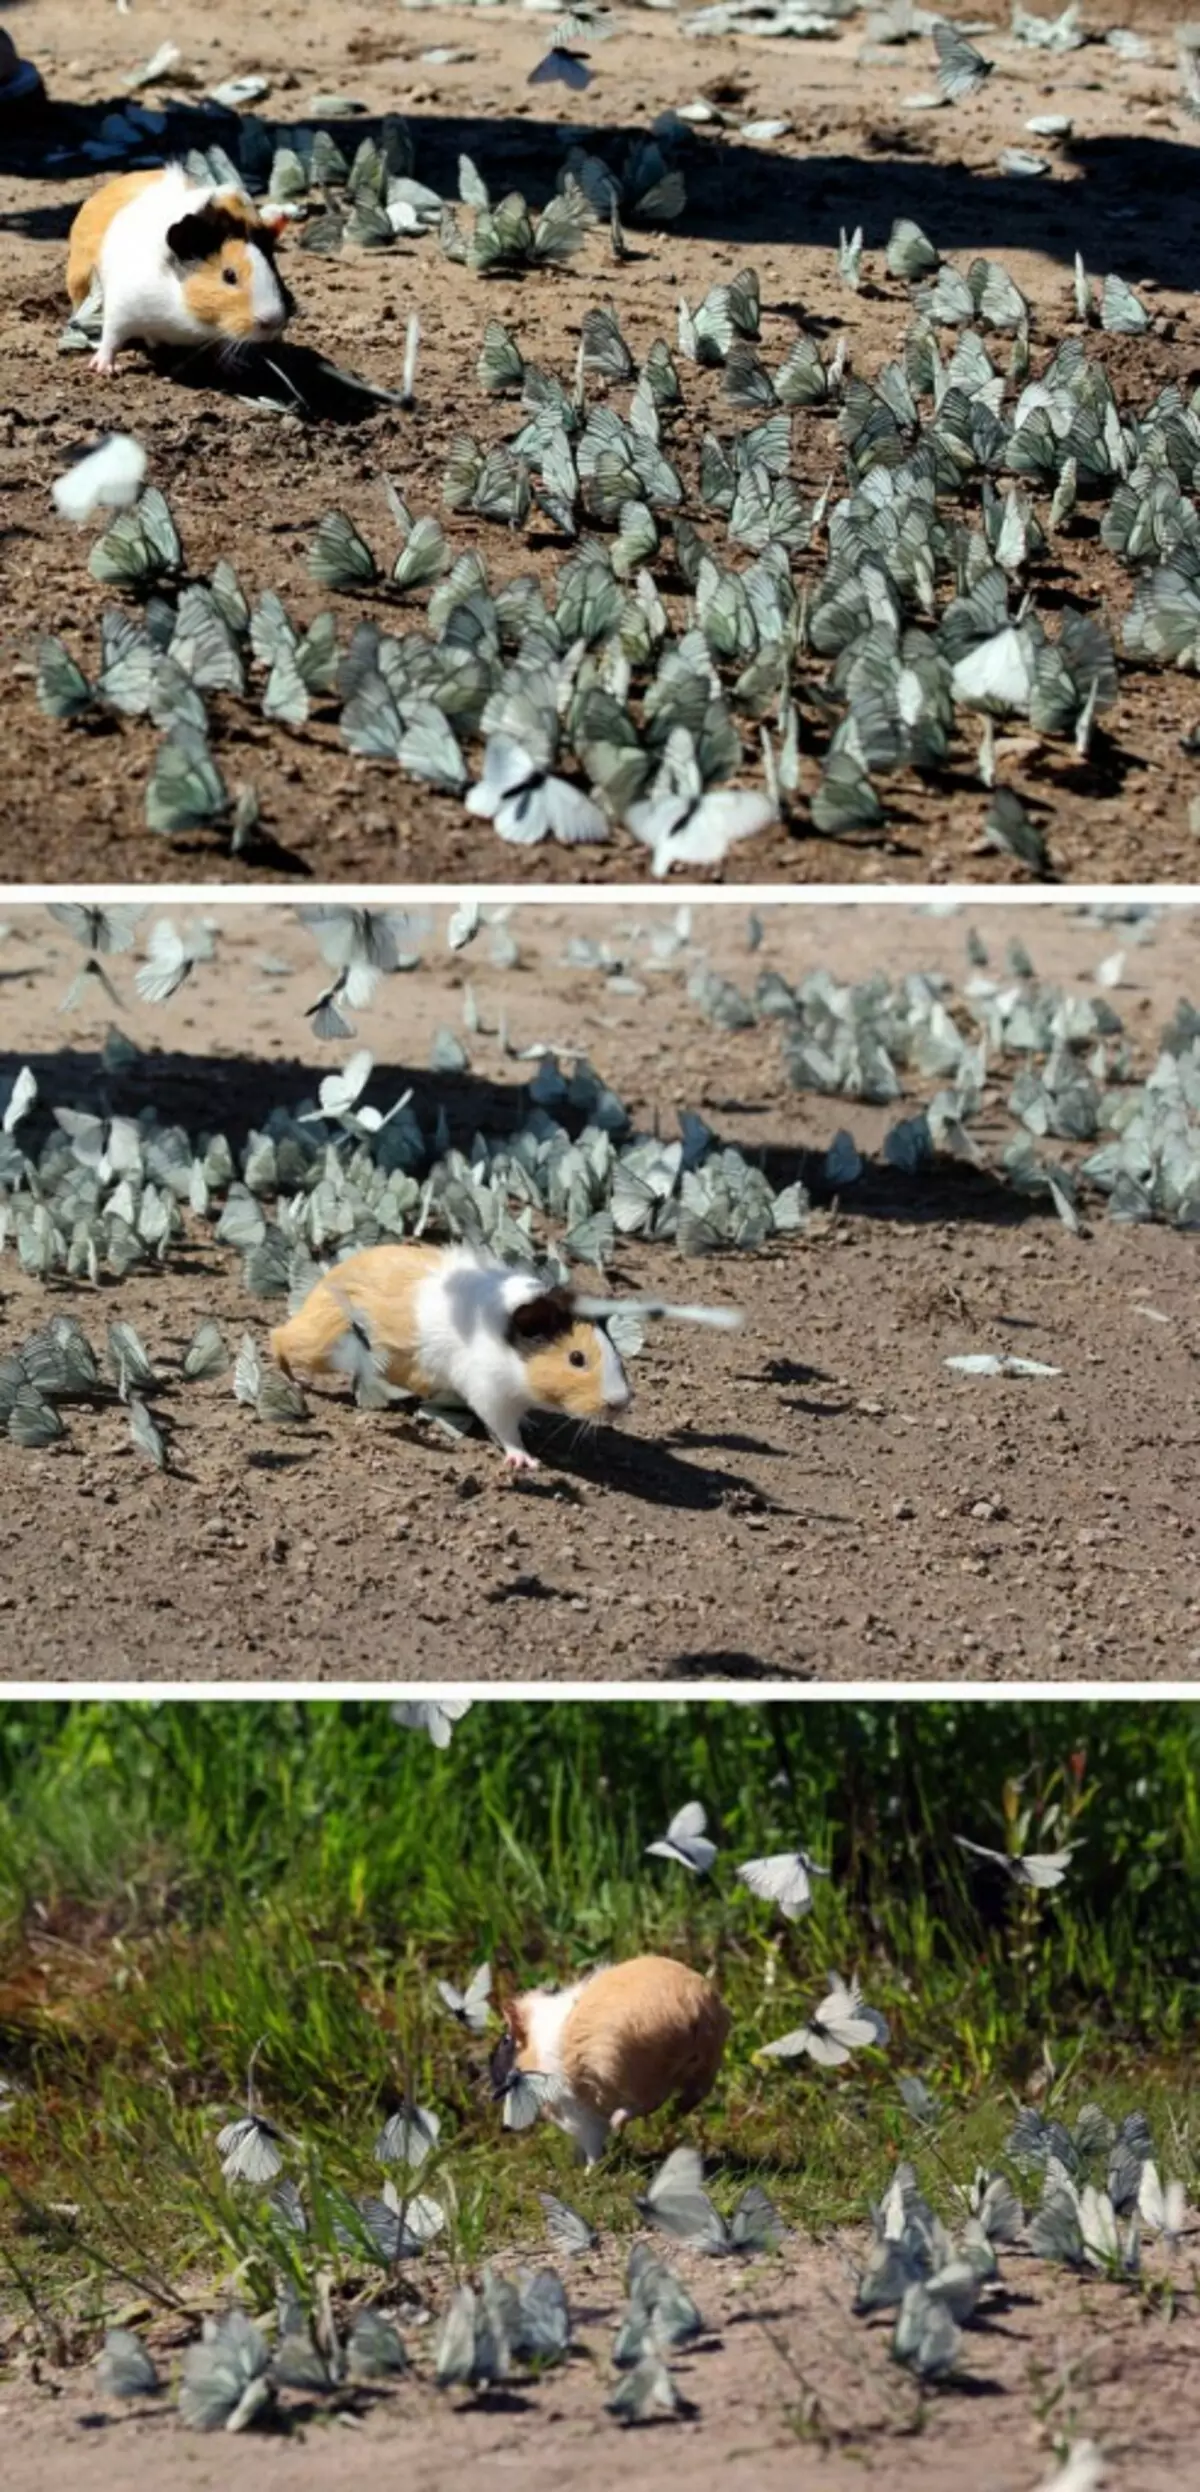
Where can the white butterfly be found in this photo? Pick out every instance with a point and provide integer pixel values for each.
(1039, 1869)
(1162, 2210)
(470, 2007)
(421, 2219)
(109, 478)
(840, 2025)
(525, 802)
(676, 2200)
(998, 675)
(700, 829)
(20, 1098)
(408, 2137)
(249, 2150)
(435, 1715)
(685, 1840)
(170, 958)
(783, 1878)
(567, 2231)
(527, 2093)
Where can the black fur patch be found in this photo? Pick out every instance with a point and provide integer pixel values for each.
(501, 2065)
(542, 1320)
(197, 237)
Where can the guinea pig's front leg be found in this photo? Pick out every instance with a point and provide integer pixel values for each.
(502, 1414)
(104, 360)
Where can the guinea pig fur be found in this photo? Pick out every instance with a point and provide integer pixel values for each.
(178, 264)
(454, 1323)
(622, 2042)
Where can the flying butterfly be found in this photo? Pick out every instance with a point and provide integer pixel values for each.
(470, 2007)
(961, 69)
(435, 1715)
(685, 1840)
(842, 2024)
(783, 1878)
(567, 2231)
(1029, 1869)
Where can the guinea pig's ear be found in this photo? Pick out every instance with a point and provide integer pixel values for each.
(536, 1322)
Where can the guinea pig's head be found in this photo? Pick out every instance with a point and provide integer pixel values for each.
(570, 1363)
(225, 254)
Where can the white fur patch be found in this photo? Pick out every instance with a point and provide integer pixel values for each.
(546, 2013)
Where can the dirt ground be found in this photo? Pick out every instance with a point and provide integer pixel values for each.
(790, 2394)
(251, 485)
(815, 1498)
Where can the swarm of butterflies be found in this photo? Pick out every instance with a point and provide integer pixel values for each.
(93, 1194)
(706, 619)
(1100, 2191)
(1134, 1144)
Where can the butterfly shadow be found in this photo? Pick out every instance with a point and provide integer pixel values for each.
(1133, 206)
(234, 1094)
(726, 1441)
(726, 1664)
(946, 1190)
(144, 2411)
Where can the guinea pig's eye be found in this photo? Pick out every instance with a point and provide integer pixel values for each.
(577, 1358)
(230, 276)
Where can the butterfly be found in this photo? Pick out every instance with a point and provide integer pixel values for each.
(527, 803)
(1162, 2210)
(373, 2348)
(1030, 1869)
(698, 829)
(841, 2025)
(961, 69)
(567, 2231)
(646, 2390)
(249, 2150)
(678, 2203)
(685, 1840)
(784, 1878)
(470, 2007)
(125, 2369)
(408, 2137)
(927, 2339)
(225, 2384)
(109, 478)
(435, 1715)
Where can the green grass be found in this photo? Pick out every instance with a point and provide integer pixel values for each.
(184, 1884)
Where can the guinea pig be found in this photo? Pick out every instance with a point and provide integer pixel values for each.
(622, 2042)
(178, 264)
(450, 1322)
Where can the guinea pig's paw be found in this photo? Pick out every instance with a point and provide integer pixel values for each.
(103, 361)
(516, 1459)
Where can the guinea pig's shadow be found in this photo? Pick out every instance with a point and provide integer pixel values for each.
(647, 1470)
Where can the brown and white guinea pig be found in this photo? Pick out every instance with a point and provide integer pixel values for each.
(178, 264)
(622, 2042)
(450, 1322)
